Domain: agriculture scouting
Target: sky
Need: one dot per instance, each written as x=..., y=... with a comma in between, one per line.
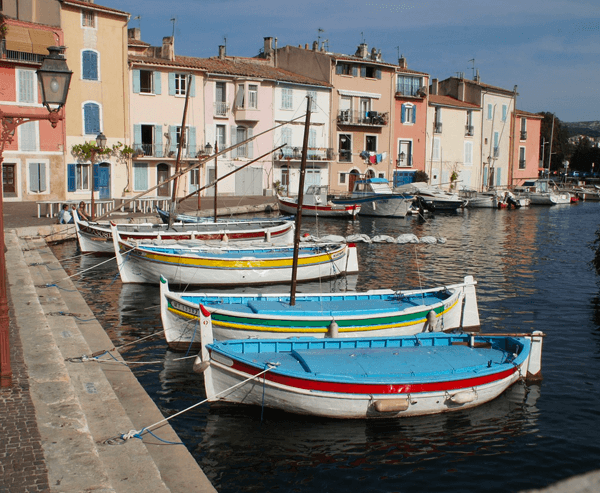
x=550, y=49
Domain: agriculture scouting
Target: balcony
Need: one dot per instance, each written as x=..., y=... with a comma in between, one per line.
x=313, y=154
x=345, y=156
x=246, y=114
x=19, y=56
x=361, y=118
x=161, y=151
x=469, y=130
x=523, y=135
x=222, y=109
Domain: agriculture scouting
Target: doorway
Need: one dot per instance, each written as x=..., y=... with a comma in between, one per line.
x=162, y=175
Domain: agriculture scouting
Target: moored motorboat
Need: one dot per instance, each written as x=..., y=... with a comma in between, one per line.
x=376, y=377
x=97, y=237
x=543, y=192
x=315, y=203
x=376, y=198
x=194, y=263
x=382, y=312
x=432, y=198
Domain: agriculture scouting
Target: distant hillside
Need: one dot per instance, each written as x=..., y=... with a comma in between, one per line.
x=591, y=129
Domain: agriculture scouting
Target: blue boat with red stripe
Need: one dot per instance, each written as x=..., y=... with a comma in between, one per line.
x=370, y=377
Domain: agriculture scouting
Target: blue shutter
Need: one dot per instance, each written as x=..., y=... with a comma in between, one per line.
x=498, y=177
x=338, y=69
x=71, y=177
x=403, y=117
x=42, y=173
x=96, y=177
x=90, y=65
x=34, y=178
x=250, y=145
x=137, y=135
x=171, y=84
x=156, y=76
x=363, y=71
x=173, y=136
x=485, y=177
x=193, y=86
x=136, y=81
x=378, y=73
x=91, y=116
x=354, y=71
x=86, y=62
x=192, y=151
x=158, y=145
x=414, y=114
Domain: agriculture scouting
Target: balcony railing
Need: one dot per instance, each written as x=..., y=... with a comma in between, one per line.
x=523, y=135
x=522, y=164
x=469, y=130
x=345, y=156
x=313, y=153
x=18, y=56
x=222, y=109
x=162, y=151
x=369, y=118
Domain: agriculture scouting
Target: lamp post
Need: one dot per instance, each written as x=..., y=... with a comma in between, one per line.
x=54, y=76
x=401, y=158
x=100, y=145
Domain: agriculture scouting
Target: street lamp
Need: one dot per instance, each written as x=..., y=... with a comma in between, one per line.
x=54, y=77
x=208, y=149
x=100, y=145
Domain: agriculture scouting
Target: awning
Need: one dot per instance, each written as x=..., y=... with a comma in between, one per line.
x=29, y=40
x=40, y=40
x=17, y=39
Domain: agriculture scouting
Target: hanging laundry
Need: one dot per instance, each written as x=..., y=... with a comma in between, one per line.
x=378, y=158
x=373, y=159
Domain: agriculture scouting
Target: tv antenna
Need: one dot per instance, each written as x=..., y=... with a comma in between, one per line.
x=319, y=31
x=472, y=60
x=173, y=20
x=139, y=19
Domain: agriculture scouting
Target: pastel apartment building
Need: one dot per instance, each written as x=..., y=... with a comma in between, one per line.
x=526, y=136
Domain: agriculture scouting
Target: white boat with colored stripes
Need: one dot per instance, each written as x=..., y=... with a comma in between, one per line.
x=370, y=377
x=383, y=312
x=197, y=264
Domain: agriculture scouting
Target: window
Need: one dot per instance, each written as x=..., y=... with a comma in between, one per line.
x=496, y=144
x=344, y=69
x=408, y=86
x=220, y=133
x=140, y=176
x=89, y=65
x=365, y=107
x=504, y=112
x=345, y=109
x=91, y=118
x=523, y=135
x=490, y=112
x=239, y=96
x=239, y=134
x=408, y=113
x=286, y=138
x=522, y=160
x=436, y=149
x=312, y=138
x=437, y=124
x=253, y=96
x=37, y=177
x=286, y=98
x=285, y=177
x=88, y=18
x=28, y=136
x=469, y=128
x=468, y=160
x=220, y=99
x=404, y=153
x=26, y=86
x=82, y=176
x=371, y=143
x=180, y=84
x=345, y=147
x=146, y=80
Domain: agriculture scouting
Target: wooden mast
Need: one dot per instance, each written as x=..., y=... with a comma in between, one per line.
x=179, y=151
x=216, y=178
x=300, y=200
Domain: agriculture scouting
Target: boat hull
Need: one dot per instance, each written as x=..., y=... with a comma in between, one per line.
x=368, y=377
x=356, y=314
x=290, y=206
x=97, y=238
x=380, y=205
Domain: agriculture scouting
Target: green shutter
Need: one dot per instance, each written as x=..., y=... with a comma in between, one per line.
x=171, y=84
x=158, y=145
x=156, y=76
x=136, y=81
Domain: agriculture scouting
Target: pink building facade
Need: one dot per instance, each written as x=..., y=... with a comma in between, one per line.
x=526, y=152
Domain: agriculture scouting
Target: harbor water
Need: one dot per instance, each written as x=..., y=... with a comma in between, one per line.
x=533, y=271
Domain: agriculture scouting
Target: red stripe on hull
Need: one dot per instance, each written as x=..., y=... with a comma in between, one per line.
x=358, y=388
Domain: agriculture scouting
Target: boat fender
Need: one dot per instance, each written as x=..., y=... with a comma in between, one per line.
x=268, y=237
x=431, y=323
x=332, y=330
x=391, y=405
x=225, y=238
x=463, y=397
x=200, y=366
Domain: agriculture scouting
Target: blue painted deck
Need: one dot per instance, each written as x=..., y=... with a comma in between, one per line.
x=238, y=253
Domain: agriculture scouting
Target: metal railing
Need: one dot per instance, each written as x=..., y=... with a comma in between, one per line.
x=370, y=118
x=162, y=151
x=222, y=109
x=313, y=153
x=523, y=135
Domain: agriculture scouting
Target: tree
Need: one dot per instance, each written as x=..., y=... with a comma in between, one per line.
x=560, y=142
x=421, y=176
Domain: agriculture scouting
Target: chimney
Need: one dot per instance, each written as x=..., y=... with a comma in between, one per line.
x=461, y=90
x=268, y=47
x=315, y=46
x=306, y=46
x=134, y=33
x=168, y=48
x=362, y=50
x=222, y=51
x=402, y=62
x=477, y=79
x=434, y=87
